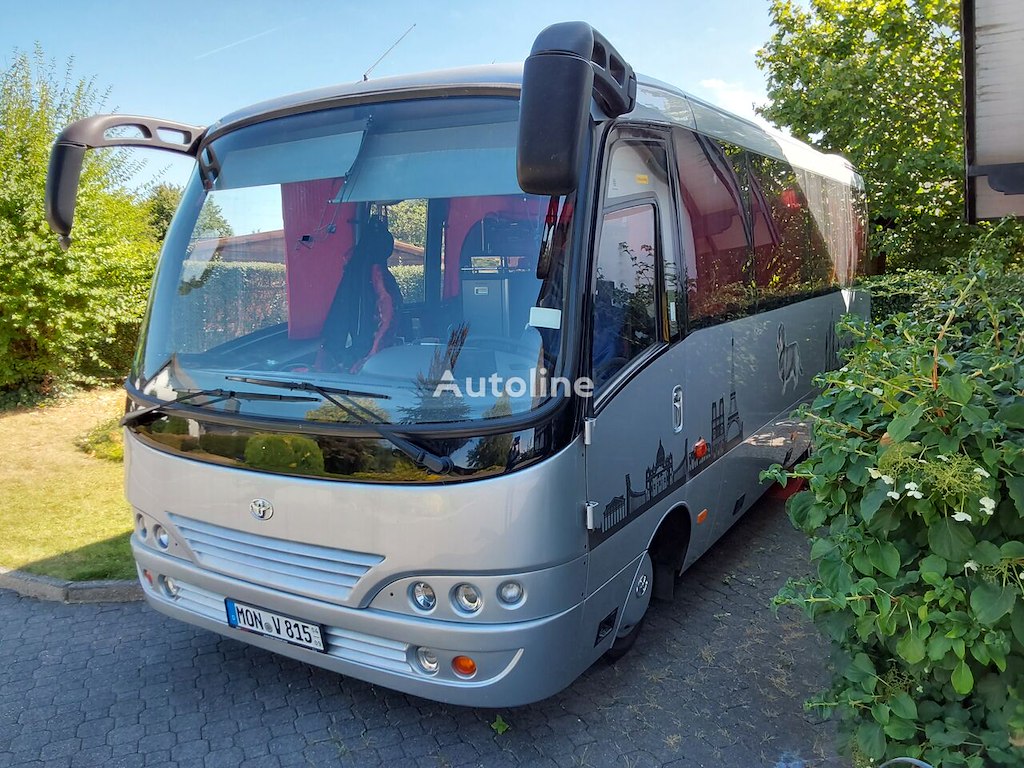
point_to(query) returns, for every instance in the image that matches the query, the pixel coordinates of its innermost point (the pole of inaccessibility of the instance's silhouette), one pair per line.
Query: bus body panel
(740, 387)
(525, 521)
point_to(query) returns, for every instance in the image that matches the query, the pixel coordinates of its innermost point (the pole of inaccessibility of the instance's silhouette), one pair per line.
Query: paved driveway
(714, 680)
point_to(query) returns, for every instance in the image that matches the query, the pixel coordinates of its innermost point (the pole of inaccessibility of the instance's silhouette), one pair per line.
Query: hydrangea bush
(915, 510)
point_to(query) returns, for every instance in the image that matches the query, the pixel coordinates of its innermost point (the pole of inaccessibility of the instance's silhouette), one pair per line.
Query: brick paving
(715, 679)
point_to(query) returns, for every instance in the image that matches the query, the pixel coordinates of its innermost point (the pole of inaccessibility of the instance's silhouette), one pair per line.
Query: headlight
(162, 538)
(467, 598)
(140, 527)
(510, 592)
(423, 596)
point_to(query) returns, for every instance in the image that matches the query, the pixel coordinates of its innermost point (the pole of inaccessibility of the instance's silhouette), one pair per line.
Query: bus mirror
(554, 114)
(62, 188)
(570, 64)
(68, 155)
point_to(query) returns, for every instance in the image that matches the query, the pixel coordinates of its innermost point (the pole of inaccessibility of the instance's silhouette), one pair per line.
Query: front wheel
(634, 611)
(624, 643)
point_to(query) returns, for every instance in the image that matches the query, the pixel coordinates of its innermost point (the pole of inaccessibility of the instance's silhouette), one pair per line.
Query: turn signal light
(464, 666)
(700, 448)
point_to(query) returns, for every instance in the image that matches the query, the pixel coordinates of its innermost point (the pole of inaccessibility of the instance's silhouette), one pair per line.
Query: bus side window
(791, 257)
(714, 247)
(625, 297)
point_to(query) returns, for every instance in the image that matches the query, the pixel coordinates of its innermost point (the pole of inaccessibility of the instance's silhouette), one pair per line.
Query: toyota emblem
(261, 509)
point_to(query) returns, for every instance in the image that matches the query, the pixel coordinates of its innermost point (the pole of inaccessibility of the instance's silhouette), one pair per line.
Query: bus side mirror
(554, 114)
(570, 65)
(62, 188)
(68, 155)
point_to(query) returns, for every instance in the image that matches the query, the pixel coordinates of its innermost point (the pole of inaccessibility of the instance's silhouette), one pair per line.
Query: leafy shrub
(915, 511)
(283, 453)
(222, 444)
(104, 441)
(64, 316)
(901, 292)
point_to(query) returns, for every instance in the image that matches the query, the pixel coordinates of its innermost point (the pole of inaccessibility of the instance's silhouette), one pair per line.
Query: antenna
(366, 74)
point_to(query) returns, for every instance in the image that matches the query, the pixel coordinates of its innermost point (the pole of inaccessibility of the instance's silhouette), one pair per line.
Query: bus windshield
(381, 249)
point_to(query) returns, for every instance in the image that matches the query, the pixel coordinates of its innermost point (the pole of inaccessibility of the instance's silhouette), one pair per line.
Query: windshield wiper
(343, 399)
(215, 395)
(307, 386)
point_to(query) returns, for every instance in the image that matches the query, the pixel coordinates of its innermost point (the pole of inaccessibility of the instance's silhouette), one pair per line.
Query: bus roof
(656, 102)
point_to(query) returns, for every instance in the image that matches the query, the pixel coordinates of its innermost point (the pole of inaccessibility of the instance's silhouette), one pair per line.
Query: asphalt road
(716, 679)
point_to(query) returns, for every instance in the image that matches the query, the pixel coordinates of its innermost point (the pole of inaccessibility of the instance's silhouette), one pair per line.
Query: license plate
(269, 624)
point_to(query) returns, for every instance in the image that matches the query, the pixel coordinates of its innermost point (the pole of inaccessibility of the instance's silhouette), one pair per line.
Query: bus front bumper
(517, 663)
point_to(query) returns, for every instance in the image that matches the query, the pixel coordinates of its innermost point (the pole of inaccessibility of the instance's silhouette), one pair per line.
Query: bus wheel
(635, 610)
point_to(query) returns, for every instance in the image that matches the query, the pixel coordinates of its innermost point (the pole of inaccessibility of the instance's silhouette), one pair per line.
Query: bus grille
(319, 572)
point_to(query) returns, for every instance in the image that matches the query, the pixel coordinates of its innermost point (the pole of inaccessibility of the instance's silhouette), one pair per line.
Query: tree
(163, 200)
(64, 315)
(880, 83)
(407, 221)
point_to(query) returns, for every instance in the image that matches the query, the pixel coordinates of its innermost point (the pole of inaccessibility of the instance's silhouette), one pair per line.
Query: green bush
(104, 440)
(901, 292)
(284, 453)
(915, 511)
(222, 300)
(64, 316)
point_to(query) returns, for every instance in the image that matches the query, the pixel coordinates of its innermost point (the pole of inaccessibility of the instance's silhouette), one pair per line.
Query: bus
(443, 377)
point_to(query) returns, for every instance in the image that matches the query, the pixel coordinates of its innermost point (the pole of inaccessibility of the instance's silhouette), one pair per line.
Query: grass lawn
(62, 512)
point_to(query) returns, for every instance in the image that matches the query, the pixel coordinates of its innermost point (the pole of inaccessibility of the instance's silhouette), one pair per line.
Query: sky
(195, 62)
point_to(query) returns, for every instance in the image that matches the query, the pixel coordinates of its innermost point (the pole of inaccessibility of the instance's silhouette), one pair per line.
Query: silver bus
(443, 377)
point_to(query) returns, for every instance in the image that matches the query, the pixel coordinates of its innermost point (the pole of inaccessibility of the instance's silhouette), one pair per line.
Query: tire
(624, 643)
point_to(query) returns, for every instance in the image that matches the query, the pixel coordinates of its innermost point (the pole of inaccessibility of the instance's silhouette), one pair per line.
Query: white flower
(969, 566)
(887, 480)
(988, 506)
(877, 392)
(942, 458)
(893, 495)
(911, 487)
(875, 474)
(982, 472)
(915, 494)
(962, 517)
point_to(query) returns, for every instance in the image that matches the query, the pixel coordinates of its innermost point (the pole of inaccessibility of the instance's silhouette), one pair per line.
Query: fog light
(162, 538)
(423, 596)
(464, 666)
(510, 593)
(427, 659)
(140, 526)
(170, 586)
(467, 598)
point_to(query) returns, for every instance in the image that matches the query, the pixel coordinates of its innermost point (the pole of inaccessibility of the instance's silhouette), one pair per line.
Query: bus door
(636, 457)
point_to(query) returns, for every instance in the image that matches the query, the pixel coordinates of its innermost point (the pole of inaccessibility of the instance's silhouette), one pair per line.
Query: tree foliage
(163, 200)
(407, 221)
(64, 315)
(879, 81)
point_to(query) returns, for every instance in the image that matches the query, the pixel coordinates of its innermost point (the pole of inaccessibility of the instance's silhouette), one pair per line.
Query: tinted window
(789, 212)
(625, 303)
(715, 255)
